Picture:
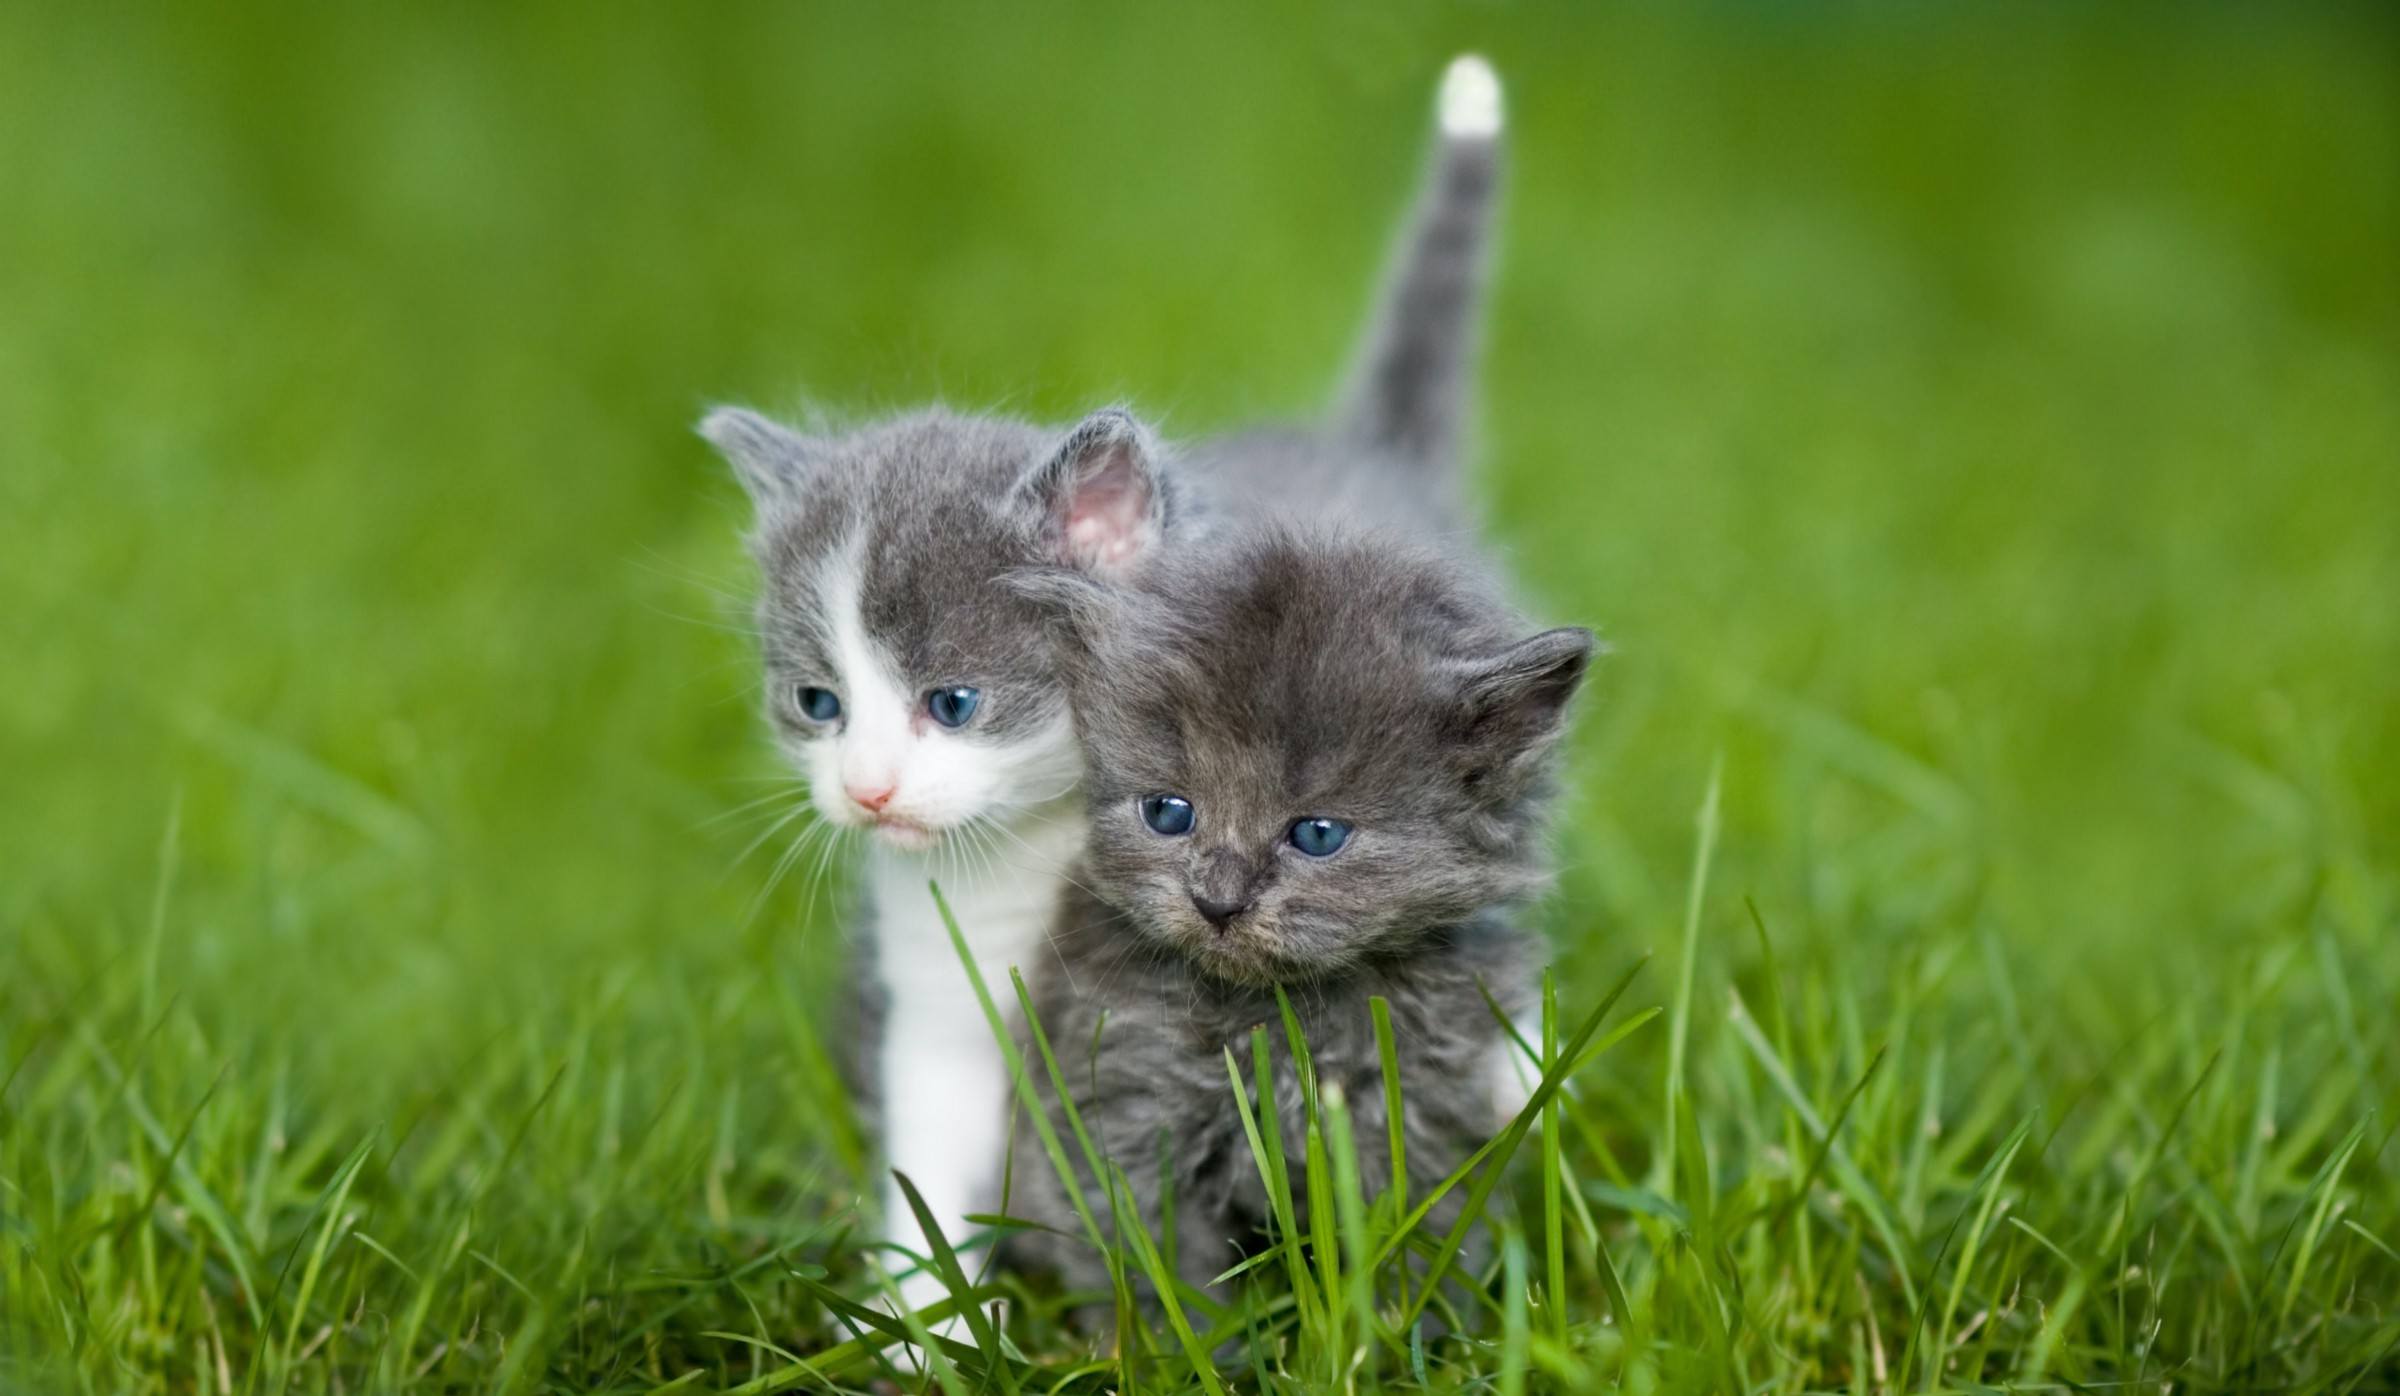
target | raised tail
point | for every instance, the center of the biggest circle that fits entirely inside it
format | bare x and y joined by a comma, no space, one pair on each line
1411,382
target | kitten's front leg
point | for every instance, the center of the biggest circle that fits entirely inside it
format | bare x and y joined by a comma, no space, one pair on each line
944,1086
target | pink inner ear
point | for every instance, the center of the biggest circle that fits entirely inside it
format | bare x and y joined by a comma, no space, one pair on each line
1108,516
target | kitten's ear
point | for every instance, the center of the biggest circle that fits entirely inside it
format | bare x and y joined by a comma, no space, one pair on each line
1515,704
1100,496
771,461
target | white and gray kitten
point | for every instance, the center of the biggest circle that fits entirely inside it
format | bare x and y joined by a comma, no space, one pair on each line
918,694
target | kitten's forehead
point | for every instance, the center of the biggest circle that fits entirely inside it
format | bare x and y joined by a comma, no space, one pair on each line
913,523
929,581
1303,631
904,486
1299,669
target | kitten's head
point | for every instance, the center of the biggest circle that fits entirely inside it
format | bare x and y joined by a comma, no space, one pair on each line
1302,753
913,689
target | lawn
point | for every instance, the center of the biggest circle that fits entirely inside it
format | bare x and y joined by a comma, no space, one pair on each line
1976,430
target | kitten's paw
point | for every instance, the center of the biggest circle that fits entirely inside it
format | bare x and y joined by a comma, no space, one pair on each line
1470,99
1510,1077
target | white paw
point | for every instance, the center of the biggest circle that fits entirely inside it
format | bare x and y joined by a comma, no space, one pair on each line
1510,1078
1470,100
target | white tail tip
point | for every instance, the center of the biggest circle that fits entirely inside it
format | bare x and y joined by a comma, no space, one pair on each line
1470,101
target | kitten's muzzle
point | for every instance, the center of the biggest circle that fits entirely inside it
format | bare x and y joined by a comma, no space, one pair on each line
1225,886
1221,911
870,796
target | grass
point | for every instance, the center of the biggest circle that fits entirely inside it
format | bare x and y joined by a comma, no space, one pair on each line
1974,429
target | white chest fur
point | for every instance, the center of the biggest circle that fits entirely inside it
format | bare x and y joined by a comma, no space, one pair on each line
943,1083
1003,904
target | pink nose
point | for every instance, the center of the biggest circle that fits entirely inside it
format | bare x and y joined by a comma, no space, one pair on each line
871,798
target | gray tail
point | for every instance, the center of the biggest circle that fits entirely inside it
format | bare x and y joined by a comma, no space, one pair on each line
1411,381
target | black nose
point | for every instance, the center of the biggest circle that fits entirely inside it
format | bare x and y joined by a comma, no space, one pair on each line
1220,912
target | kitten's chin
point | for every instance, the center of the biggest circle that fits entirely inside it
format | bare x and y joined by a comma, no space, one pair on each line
1237,959
904,836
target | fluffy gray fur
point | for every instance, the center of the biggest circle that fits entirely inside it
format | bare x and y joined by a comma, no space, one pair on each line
1274,676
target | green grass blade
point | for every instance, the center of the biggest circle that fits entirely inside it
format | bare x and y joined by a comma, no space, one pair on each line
337,1193
1387,1054
1554,1218
1854,1181
1203,1368
1679,1017
1986,1193
1029,1098
2320,1199
954,1278
1350,1211
1516,1334
1494,1157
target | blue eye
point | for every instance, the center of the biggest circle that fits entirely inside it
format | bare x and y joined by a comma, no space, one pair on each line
1319,837
951,707
1168,814
821,704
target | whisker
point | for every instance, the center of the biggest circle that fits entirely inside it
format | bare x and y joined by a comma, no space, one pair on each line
1036,801
819,878
659,564
747,806
1050,865
800,810
783,865
747,632
987,849
954,849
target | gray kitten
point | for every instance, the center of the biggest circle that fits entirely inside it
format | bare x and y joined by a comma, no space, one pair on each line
917,693
1314,759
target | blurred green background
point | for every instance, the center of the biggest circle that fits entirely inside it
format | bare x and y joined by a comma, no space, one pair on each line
1978,427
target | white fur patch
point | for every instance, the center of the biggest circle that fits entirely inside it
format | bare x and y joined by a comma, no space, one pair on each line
1511,1074
1470,99
872,747
945,1087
